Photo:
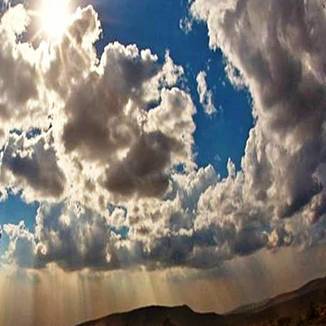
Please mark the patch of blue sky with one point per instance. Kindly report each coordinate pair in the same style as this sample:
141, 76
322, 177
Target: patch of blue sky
15, 210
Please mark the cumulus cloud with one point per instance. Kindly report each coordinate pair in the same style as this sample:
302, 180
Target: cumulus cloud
20, 89
21, 249
283, 164
118, 121
152, 232
108, 129
283, 64
121, 187
205, 95
109, 117
186, 229
31, 165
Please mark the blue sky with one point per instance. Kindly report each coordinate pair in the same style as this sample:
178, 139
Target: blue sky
156, 25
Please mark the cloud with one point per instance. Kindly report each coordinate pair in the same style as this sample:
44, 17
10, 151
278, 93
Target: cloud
191, 228
19, 75
284, 69
31, 165
21, 250
185, 25
234, 76
110, 114
109, 129
103, 112
182, 230
205, 95
117, 137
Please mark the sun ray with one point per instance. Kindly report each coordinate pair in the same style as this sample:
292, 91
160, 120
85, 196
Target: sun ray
54, 17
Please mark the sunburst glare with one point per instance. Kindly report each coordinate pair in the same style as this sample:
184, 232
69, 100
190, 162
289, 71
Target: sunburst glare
55, 16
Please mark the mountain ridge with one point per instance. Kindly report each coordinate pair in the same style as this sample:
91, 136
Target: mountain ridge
303, 306
283, 297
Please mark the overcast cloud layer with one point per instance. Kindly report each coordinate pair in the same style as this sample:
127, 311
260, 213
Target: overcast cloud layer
99, 141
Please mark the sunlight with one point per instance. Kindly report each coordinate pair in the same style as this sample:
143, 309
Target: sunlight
55, 17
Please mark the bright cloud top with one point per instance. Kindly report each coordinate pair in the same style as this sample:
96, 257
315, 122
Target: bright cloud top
106, 143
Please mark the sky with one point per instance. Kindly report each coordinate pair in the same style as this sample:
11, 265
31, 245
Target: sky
179, 145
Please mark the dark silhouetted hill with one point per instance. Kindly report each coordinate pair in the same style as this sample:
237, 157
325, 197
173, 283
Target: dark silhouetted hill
303, 307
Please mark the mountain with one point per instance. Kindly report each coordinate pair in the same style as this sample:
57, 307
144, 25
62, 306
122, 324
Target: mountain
159, 316
303, 307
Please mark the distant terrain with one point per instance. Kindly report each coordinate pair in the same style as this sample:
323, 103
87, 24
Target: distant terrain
305, 306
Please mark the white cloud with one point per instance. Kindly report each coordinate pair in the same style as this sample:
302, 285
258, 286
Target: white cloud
20, 98
205, 95
234, 76
185, 25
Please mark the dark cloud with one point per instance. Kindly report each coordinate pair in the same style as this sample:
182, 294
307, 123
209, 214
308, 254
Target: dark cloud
32, 163
141, 170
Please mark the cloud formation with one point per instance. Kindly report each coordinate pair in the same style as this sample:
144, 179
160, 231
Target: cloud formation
119, 121
112, 160
205, 95
20, 98
31, 165
284, 68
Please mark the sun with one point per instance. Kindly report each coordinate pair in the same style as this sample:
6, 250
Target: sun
55, 16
